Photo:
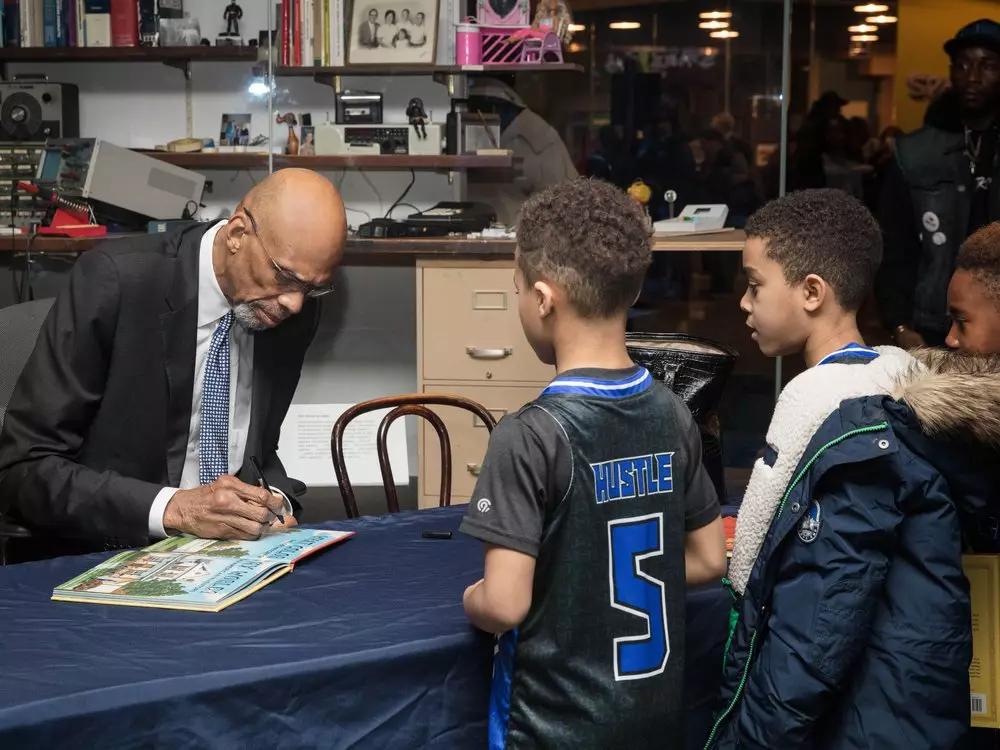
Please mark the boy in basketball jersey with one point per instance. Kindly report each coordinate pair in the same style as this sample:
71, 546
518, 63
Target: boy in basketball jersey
592, 500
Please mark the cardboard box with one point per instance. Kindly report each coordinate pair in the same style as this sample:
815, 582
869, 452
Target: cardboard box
983, 572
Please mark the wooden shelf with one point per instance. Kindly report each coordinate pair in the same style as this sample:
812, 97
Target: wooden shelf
405, 252
422, 70
167, 55
259, 161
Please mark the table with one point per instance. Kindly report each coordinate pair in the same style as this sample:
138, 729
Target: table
363, 646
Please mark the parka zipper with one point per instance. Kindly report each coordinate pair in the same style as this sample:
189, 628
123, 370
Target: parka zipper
753, 636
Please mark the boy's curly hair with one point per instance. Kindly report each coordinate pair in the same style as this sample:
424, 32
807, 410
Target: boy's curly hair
980, 256
591, 239
824, 232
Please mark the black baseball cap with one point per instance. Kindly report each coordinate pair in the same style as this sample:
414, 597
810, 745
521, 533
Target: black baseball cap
981, 33
832, 97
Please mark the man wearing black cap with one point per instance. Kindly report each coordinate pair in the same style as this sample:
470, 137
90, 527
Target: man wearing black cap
941, 188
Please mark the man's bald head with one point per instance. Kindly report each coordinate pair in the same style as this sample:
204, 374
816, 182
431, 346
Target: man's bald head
301, 218
283, 243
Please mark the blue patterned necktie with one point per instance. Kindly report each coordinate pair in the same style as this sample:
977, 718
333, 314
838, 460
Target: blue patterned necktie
213, 438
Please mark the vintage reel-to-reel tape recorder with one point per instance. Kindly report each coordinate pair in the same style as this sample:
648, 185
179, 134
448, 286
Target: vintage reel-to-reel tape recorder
34, 109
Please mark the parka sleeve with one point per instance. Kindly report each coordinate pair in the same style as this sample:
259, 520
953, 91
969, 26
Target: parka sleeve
822, 610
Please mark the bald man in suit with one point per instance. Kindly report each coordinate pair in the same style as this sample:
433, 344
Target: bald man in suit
165, 365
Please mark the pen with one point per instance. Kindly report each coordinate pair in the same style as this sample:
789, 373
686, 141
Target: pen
263, 482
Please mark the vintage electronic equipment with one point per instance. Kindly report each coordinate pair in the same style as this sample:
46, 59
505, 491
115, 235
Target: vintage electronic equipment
451, 217
33, 110
439, 221
359, 108
695, 218
122, 186
383, 229
468, 132
390, 139
19, 163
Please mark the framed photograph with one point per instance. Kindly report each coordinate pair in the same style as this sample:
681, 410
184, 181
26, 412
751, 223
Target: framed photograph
234, 130
307, 141
393, 32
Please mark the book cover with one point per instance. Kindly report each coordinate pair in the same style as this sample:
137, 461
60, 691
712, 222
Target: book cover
196, 574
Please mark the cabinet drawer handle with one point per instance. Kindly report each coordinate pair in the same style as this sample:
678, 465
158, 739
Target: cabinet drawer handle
477, 352
474, 469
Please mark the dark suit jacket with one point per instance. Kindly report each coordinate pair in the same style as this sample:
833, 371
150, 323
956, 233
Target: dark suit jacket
98, 422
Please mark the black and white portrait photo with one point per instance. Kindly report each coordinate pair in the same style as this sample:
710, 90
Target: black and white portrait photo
393, 32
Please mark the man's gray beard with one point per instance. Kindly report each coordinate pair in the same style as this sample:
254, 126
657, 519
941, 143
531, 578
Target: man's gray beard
244, 314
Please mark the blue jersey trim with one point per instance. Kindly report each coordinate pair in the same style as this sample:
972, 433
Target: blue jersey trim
604, 388
851, 351
503, 672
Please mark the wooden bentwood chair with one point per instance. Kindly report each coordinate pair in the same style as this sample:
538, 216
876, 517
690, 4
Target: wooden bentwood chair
402, 405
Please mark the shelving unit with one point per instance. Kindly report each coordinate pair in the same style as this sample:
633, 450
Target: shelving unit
258, 160
444, 74
174, 57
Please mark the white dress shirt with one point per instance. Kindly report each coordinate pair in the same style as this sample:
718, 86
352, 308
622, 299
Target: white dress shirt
212, 307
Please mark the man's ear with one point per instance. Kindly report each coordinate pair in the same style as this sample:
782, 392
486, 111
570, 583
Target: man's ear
814, 292
544, 298
236, 232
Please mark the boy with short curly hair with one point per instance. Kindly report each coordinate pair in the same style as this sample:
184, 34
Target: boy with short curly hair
592, 500
851, 619
974, 294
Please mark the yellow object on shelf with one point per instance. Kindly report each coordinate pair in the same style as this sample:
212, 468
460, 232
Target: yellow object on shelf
983, 572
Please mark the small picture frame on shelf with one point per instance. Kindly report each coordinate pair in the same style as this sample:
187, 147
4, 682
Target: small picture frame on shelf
307, 141
393, 32
234, 130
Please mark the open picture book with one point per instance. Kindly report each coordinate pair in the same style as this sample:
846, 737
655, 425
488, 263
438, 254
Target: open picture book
185, 572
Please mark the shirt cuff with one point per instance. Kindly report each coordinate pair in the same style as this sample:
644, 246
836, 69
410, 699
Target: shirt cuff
156, 511
288, 511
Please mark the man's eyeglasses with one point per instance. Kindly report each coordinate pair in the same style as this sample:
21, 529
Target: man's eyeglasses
286, 278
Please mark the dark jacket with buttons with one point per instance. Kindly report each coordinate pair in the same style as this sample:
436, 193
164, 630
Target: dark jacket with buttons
854, 629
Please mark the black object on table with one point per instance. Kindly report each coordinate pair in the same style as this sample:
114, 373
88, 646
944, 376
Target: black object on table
364, 645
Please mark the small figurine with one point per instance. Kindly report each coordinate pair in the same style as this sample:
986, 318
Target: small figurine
418, 116
554, 16
232, 15
292, 147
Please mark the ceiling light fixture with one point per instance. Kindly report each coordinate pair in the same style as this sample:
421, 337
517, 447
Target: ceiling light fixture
871, 8
715, 15
863, 28
881, 19
577, 27
724, 34
864, 38
624, 25
714, 25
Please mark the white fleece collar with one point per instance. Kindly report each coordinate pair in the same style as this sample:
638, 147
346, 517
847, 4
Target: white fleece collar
805, 404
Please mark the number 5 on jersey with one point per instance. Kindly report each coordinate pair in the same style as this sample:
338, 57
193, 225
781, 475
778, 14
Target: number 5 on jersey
630, 541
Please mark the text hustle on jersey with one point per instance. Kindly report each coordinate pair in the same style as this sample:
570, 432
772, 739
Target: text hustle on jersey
638, 476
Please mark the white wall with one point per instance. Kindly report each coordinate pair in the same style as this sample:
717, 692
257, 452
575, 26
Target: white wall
366, 346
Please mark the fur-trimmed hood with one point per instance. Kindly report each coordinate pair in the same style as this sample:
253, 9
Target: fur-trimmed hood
954, 395
952, 411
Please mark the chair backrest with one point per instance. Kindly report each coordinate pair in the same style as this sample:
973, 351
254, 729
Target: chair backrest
402, 405
19, 327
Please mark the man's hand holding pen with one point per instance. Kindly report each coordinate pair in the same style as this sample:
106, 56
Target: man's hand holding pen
225, 509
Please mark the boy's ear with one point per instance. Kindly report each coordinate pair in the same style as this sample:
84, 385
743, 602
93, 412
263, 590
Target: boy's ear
814, 292
544, 298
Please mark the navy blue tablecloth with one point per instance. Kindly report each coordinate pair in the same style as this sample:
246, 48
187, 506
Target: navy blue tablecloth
364, 645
